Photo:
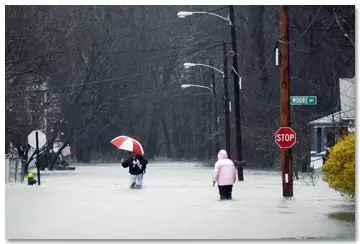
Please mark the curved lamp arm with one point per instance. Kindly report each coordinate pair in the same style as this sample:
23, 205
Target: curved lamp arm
183, 14
184, 86
188, 65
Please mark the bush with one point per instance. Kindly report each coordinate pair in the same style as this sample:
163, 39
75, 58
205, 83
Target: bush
339, 168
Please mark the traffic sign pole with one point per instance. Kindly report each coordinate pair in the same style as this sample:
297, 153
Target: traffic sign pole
37, 139
286, 158
37, 156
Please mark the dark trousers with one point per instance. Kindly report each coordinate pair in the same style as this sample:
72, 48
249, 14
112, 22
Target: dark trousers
225, 192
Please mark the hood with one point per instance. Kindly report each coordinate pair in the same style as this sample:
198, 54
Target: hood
222, 155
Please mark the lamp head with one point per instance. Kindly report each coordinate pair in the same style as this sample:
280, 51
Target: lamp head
183, 14
188, 65
183, 86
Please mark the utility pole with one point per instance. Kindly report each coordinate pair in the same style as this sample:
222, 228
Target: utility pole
236, 93
286, 156
217, 144
226, 101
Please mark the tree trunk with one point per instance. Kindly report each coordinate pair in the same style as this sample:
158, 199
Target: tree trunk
153, 135
86, 153
78, 149
7, 145
167, 137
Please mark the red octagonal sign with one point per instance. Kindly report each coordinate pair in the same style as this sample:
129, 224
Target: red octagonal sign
285, 137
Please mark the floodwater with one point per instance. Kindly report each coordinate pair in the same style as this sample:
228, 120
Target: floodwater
178, 201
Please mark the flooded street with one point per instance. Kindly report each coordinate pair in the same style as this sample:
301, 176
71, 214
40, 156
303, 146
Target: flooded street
178, 201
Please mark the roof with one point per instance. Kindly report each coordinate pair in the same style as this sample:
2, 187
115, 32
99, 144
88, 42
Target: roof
327, 120
347, 103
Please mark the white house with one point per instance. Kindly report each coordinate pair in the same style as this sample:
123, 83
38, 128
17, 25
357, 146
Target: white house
344, 120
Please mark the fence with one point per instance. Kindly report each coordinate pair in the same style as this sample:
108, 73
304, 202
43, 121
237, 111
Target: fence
13, 169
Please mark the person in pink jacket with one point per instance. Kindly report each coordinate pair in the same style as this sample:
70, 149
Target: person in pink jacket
224, 175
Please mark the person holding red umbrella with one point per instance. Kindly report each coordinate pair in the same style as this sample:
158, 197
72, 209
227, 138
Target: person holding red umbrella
137, 168
136, 162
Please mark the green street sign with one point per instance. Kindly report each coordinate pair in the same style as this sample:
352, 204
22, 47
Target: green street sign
303, 100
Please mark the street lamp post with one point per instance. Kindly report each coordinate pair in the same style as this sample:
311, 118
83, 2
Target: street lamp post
231, 21
236, 94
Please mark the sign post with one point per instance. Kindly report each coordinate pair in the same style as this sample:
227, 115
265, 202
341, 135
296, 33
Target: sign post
37, 139
285, 137
37, 156
286, 158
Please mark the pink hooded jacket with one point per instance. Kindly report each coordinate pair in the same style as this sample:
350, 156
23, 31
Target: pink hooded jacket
224, 170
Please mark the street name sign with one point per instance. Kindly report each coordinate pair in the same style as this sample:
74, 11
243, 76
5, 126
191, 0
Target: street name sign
303, 100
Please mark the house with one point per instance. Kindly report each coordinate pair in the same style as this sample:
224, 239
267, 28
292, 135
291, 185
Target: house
327, 130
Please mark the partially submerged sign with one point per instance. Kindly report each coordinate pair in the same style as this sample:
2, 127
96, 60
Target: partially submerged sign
32, 139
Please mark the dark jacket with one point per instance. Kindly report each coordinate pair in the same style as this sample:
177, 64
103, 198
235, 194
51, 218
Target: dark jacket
31, 181
135, 169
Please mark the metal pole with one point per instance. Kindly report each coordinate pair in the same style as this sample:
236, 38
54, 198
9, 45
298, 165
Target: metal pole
7, 170
37, 157
286, 157
236, 93
217, 143
226, 101
16, 169
22, 170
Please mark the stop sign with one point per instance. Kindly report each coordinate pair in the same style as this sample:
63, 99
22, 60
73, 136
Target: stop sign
32, 138
285, 137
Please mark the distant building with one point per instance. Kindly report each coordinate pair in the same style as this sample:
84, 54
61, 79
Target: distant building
327, 130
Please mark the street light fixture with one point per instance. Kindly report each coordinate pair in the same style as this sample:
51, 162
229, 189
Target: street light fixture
231, 21
183, 14
189, 65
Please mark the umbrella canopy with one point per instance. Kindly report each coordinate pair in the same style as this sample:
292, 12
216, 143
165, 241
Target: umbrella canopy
128, 144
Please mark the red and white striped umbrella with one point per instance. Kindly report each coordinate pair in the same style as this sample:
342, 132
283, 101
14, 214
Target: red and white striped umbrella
128, 144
